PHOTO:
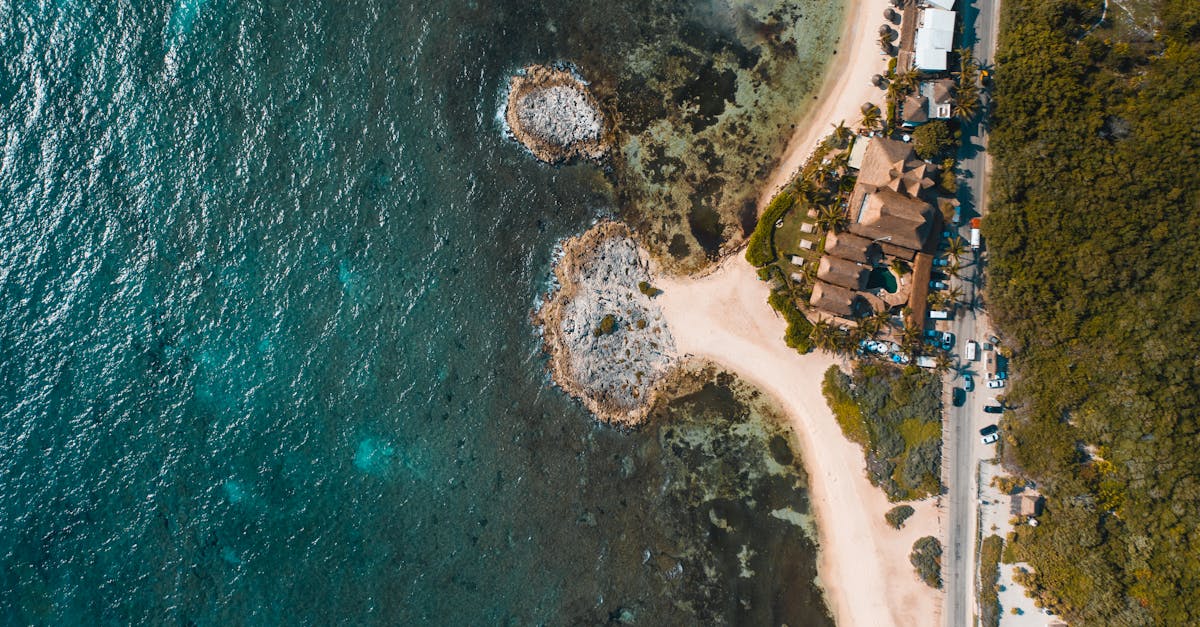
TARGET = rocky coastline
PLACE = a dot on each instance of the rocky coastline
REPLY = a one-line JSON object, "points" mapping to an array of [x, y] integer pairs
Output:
{"points": [[554, 115], [608, 342]]}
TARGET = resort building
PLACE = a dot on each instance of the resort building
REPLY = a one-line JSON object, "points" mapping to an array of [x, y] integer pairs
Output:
{"points": [[891, 221], [934, 40], [843, 272], [933, 100]]}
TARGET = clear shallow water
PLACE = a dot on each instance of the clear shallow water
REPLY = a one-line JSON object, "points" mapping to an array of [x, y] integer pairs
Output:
{"points": [[265, 274]]}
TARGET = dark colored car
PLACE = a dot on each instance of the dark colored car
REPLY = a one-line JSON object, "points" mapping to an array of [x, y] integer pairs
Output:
{"points": [[993, 409], [990, 434], [958, 396]]}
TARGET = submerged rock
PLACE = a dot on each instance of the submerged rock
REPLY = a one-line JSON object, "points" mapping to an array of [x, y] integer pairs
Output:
{"points": [[609, 345], [552, 113]]}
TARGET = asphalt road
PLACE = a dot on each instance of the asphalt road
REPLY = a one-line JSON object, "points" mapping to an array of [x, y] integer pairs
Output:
{"points": [[961, 442]]}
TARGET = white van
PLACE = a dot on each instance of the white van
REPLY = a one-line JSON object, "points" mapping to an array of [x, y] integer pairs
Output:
{"points": [[939, 314], [972, 351]]}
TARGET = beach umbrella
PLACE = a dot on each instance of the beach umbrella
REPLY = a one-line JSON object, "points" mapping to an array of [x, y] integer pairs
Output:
{"points": [[877, 81]]}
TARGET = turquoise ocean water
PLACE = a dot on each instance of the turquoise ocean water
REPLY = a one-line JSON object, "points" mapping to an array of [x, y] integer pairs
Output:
{"points": [[265, 278]]}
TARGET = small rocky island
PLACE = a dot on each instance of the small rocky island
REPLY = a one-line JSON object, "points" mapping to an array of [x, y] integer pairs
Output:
{"points": [[608, 343], [552, 113]]}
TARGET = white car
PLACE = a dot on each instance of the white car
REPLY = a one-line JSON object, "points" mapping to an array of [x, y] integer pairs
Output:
{"points": [[996, 383], [990, 433]]}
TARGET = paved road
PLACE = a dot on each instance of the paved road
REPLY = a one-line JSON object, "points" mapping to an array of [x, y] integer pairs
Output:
{"points": [[964, 449]]}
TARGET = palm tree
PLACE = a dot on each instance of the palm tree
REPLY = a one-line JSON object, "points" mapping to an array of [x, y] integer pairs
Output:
{"points": [[911, 337], [967, 106], [956, 248], [966, 58], [831, 218], [943, 362], [841, 132], [840, 161], [870, 118], [824, 336], [869, 326], [883, 319], [908, 78], [953, 269], [954, 294]]}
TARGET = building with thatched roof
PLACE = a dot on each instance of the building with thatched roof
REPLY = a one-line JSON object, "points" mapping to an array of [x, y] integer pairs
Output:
{"points": [[900, 223], [841, 272], [888, 203], [918, 298], [1027, 503], [851, 247], [914, 110], [939, 98], [833, 299]]}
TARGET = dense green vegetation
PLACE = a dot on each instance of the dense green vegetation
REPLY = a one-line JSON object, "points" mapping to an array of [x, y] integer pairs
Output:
{"points": [[900, 411], [926, 557], [897, 515], [836, 387], [798, 327], [1093, 227], [647, 289], [760, 249], [989, 580], [932, 139]]}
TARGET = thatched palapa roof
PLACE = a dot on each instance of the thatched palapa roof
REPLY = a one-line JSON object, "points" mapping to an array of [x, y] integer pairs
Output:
{"points": [[843, 273]]}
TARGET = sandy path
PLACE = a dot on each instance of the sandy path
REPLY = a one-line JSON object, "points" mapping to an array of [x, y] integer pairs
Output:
{"points": [[846, 87], [724, 317], [864, 567]]}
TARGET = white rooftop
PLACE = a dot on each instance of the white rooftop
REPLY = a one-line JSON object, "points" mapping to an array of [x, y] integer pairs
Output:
{"points": [[942, 4], [935, 37], [857, 152]]}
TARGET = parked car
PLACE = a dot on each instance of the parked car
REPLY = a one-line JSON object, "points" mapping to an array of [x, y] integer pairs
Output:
{"points": [[958, 396], [937, 285], [990, 434], [939, 314], [993, 339], [932, 333], [968, 382], [940, 262], [993, 409], [996, 383], [972, 352], [947, 340]]}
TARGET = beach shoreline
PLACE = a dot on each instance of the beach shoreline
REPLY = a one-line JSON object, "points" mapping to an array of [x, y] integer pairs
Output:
{"points": [[844, 88], [723, 318]]}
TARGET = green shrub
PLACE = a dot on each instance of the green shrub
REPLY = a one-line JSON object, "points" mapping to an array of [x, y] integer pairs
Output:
{"points": [[799, 329], [608, 324], [836, 387], [932, 139], [989, 579], [648, 290], [760, 249], [641, 324], [897, 515], [926, 557]]}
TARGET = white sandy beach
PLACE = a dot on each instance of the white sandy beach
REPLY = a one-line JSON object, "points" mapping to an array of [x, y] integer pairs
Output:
{"points": [[864, 567], [847, 85], [724, 317]]}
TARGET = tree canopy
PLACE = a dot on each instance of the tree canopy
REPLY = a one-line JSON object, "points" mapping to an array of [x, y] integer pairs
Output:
{"points": [[1094, 218]]}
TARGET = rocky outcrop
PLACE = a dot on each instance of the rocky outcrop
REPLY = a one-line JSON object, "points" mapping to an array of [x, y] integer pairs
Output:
{"points": [[609, 345], [552, 113]]}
